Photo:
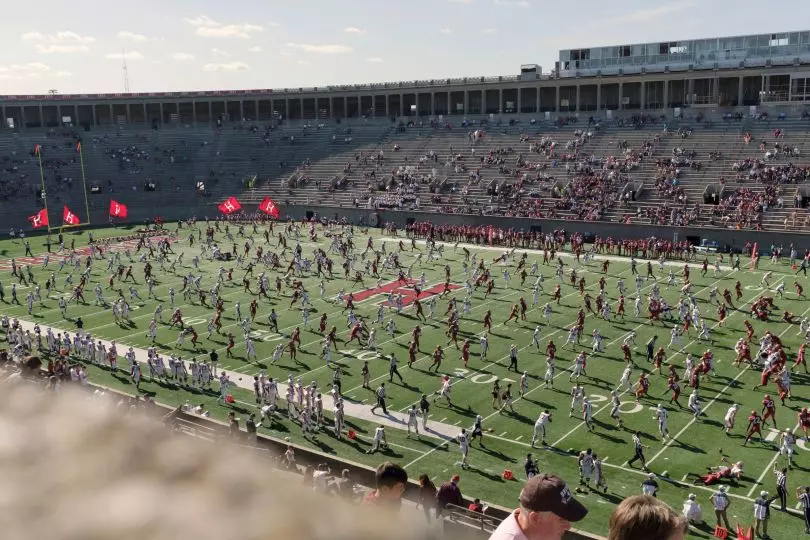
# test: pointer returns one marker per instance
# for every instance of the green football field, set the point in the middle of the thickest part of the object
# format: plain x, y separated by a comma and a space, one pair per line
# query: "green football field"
695, 445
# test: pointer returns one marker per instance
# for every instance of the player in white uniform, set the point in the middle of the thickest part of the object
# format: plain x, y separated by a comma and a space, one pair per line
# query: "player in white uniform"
585, 467
786, 442
731, 415
577, 394
524, 383
548, 378
625, 379
540, 428
615, 404
464, 446
662, 416
413, 420
587, 413
599, 476
694, 403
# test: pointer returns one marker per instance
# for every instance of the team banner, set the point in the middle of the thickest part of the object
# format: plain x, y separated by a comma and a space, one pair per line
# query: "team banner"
69, 218
40, 219
118, 210
230, 206
269, 207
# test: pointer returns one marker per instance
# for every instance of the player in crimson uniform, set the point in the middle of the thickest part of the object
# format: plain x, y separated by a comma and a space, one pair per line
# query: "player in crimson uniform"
465, 352
768, 410
754, 426
800, 360
804, 421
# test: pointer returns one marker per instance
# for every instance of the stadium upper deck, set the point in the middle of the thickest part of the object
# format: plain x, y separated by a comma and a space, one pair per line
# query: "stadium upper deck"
743, 71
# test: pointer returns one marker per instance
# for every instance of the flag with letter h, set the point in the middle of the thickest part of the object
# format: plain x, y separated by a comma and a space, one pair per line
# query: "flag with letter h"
68, 217
40, 219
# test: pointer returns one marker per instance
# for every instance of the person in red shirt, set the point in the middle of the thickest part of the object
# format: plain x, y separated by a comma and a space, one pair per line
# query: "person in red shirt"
391, 481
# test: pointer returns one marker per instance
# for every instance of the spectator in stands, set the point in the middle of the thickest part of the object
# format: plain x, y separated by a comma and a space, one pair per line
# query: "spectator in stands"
642, 517
427, 494
449, 493
391, 481
344, 485
547, 509
320, 478
476, 506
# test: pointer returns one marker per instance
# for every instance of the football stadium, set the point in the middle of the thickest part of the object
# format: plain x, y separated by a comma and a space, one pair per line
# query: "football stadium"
597, 271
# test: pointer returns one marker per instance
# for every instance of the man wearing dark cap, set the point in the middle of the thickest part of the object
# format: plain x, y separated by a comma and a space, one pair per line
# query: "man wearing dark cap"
547, 509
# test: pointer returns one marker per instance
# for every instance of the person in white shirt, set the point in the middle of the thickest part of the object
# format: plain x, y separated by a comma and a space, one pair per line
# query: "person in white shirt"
413, 420
379, 440
661, 416
464, 446
691, 510
540, 428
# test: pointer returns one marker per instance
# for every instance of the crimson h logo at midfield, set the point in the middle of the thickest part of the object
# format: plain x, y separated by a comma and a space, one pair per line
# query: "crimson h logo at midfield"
405, 288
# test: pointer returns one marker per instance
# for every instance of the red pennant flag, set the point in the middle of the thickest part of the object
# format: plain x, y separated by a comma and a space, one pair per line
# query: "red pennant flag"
37, 150
230, 206
118, 210
269, 207
79, 146
40, 219
68, 217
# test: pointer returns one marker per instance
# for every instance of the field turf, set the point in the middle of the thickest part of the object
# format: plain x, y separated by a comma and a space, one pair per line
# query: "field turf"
695, 446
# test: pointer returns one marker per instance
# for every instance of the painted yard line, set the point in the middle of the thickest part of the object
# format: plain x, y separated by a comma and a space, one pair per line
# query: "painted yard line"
575, 428
692, 421
768, 467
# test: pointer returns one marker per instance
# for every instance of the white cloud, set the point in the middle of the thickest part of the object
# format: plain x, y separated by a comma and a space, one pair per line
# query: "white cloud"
354, 30
375, 60
61, 42
63, 74
32, 36
181, 56
488, 31
221, 53
461, 1
67, 36
50, 49
131, 55
648, 15
132, 36
320, 49
30, 70
202, 20
286, 53
304, 62
229, 66
207, 27
518, 3
255, 48
445, 30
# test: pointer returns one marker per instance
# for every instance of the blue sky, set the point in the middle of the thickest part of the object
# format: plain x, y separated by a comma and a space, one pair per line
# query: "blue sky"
76, 47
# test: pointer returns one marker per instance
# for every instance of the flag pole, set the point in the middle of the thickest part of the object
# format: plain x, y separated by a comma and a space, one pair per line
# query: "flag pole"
84, 182
38, 151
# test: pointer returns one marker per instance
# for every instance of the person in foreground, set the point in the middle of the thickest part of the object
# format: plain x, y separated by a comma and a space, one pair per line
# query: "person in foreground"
643, 517
95, 468
547, 509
